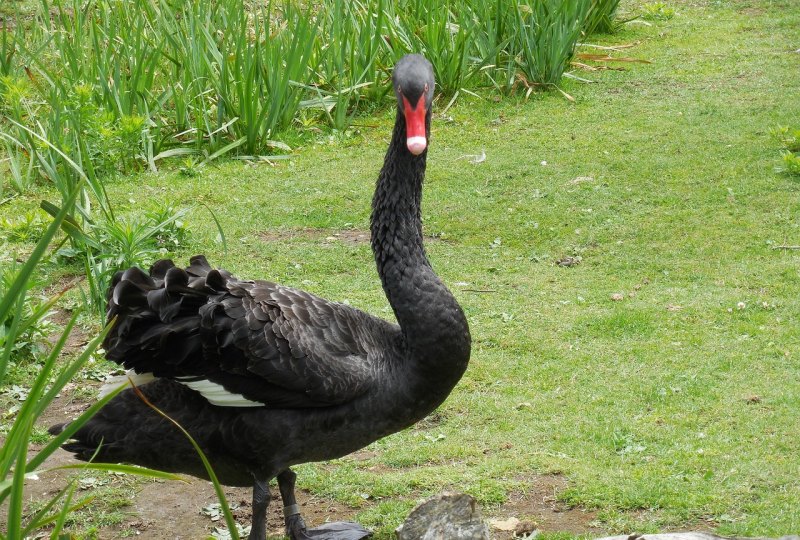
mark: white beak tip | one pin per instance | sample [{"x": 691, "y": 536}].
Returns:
[{"x": 416, "y": 145}]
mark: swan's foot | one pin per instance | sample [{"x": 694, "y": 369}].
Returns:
[
  {"x": 339, "y": 530},
  {"x": 296, "y": 527}
]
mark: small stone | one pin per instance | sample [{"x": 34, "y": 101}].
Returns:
[
  {"x": 616, "y": 297},
  {"x": 568, "y": 262}
]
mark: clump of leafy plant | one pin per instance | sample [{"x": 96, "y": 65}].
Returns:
[
  {"x": 113, "y": 243},
  {"x": 657, "y": 11},
  {"x": 791, "y": 163},
  {"x": 789, "y": 139},
  {"x": 445, "y": 33},
  {"x": 30, "y": 318},
  {"x": 173, "y": 232},
  {"x": 28, "y": 227},
  {"x": 351, "y": 59},
  {"x": 546, "y": 34}
]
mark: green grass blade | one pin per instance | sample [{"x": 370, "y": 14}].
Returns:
[
  {"x": 14, "y": 525},
  {"x": 119, "y": 468},
  {"x": 219, "y": 226},
  {"x": 32, "y": 407},
  {"x": 13, "y": 332},
  {"x": 224, "y": 150}
]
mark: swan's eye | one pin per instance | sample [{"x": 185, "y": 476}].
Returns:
[{"x": 426, "y": 87}]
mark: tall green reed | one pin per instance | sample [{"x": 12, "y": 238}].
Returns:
[
  {"x": 445, "y": 33},
  {"x": 495, "y": 29},
  {"x": 601, "y": 18},
  {"x": 254, "y": 75},
  {"x": 545, "y": 38},
  {"x": 167, "y": 79},
  {"x": 351, "y": 49}
]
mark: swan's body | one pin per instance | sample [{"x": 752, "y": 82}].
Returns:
[{"x": 264, "y": 376}]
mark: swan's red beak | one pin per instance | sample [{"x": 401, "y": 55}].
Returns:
[{"x": 416, "y": 140}]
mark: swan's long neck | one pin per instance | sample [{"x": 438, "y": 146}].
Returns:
[{"x": 434, "y": 327}]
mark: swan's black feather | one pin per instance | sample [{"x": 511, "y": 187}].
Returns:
[{"x": 272, "y": 344}]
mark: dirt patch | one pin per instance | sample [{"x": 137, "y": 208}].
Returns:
[
  {"x": 328, "y": 236},
  {"x": 172, "y": 510},
  {"x": 538, "y": 504},
  {"x": 753, "y": 11},
  {"x": 78, "y": 337}
]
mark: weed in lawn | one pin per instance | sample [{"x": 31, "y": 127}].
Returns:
[
  {"x": 108, "y": 246},
  {"x": 29, "y": 227},
  {"x": 30, "y": 319},
  {"x": 111, "y": 498},
  {"x": 172, "y": 234},
  {"x": 789, "y": 140},
  {"x": 657, "y": 11},
  {"x": 791, "y": 163}
]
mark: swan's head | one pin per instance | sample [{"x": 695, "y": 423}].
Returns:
[{"x": 413, "y": 85}]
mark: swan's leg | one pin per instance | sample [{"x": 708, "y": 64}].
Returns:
[
  {"x": 261, "y": 497},
  {"x": 295, "y": 526}
]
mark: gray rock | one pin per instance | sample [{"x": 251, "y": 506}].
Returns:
[{"x": 447, "y": 516}]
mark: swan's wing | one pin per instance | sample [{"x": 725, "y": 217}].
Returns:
[{"x": 242, "y": 343}]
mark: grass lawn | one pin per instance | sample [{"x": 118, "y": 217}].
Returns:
[{"x": 661, "y": 374}]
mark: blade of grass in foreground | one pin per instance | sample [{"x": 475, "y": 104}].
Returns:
[{"x": 15, "y": 504}]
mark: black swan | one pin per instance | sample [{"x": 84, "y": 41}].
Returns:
[{"x": 264, "y": 376}]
